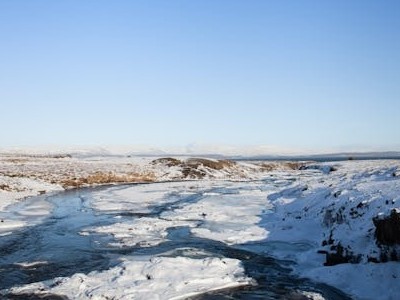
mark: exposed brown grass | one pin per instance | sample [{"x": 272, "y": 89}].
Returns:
[
  {"x": 293, "y": 165},
  {"x": 212, "y": 164},
  {"x": 16, "y": 160},
  {"x": 5, "y": 187},
  {"x": 106, "y": 178},
  {"x": 192, "y": 167},
  {"x": 168, "y": 161},
  {"x": 286, "y": 165},
  {"x": 268, "y": 167},
  {"x": 189, "y": 172},
  {"x": 13, "y": 175}
]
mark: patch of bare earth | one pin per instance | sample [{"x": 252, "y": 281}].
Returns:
[
  {"x": 107, "y": 178},
  {"x": 284, "y": 165},
  {"x": 167, "y": 161},
  {"x": 5, "y": 187},
  {"x": 208, "y": 163}
]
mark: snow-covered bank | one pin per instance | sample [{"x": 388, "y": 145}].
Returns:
[
  {"x": 13, "y": 189},
  {"x": 341, "y": 205},
  {"x": 332, "y": 215},
  {"x": 362, "y": 281}
]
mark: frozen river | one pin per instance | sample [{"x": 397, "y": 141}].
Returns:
[{"x": 91, "y": 231}]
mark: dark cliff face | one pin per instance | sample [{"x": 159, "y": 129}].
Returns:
[
  {"x": 387, "y": 230},
  {"x": 387, "y": 234}
]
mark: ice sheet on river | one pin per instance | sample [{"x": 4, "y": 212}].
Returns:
[
  {"x": 228, "y": 213},
  {"x": 146, "y": 278}
]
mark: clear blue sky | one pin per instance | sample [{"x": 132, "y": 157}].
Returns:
[{"x": 303, "y": 74}]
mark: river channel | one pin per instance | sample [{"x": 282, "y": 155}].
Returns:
[{"x": 58, "y": 242}]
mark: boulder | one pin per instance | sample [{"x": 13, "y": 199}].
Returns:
[{"x": 387, "y": 229}]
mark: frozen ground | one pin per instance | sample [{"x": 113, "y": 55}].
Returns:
[{"x": 319, "y": 215}]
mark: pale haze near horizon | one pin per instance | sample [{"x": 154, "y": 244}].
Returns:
[{"x": 287, "y": 74}]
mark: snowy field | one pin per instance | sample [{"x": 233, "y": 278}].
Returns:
[{"x": 333, "y": 223}]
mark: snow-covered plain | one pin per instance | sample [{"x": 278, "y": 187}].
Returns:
[{"x": 303, "y": 214}]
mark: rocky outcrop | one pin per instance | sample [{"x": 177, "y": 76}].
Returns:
[
  {"x": 337, "y": 254},
  {"x": 340, "y": 255},
  {"x": 196, "y": 168},
  {"x": 326, "y": 169},
  {"x": 387, "y": 235},
  {"x": 387, "y": 229}
]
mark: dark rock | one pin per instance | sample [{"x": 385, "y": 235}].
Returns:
[
  {"x": 340, "y": 256},
  {"x": 61, "y": 156},
  {"x": 329, "y": 241},
  {"x": 328, "y": 217},
  {"x": 337, "y": 194},
  {"x": 360, "y": 205},
  {"x": 383, "y": 257},
  {"x": 387, "y": 230},
  {"x": 393, "y": 255},
  {"x": 334, "y": 217},
  {"x": 373, "y": 259},
  {"x": 333, "y": 259},
  {"x": 323, "y": 168},
  {"x": 5, "y": 187}
]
